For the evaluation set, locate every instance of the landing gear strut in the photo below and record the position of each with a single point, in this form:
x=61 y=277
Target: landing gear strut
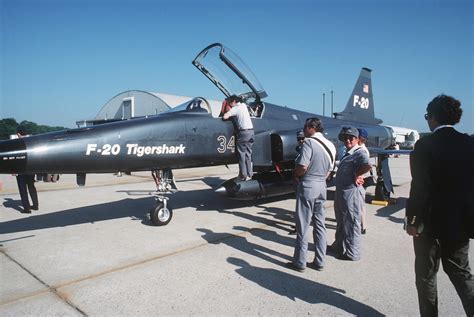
x=384 y=186
x=380 y=192
x=161 y=213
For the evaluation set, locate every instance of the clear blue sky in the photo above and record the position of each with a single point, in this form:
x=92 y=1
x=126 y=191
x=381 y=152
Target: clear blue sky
x=61 y=61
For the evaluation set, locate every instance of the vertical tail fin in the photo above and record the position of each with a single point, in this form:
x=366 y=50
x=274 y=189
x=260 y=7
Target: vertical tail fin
x=360 y=107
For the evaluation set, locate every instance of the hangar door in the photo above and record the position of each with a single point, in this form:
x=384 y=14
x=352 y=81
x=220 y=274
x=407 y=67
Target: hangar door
x=127 y=108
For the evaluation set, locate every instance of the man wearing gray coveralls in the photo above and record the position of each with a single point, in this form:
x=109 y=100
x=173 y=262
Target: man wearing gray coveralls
x=245 y=135
x=349 y=198
x=312 y=166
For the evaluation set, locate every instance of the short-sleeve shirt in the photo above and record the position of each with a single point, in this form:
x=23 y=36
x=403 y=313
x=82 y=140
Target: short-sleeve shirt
x=349 y=164
x=241 y=112
x=317 y=162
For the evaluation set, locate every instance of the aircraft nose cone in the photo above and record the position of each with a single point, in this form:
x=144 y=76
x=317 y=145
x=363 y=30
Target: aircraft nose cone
x=12 y=156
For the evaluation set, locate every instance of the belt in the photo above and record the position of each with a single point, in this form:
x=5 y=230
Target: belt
x=245 y=129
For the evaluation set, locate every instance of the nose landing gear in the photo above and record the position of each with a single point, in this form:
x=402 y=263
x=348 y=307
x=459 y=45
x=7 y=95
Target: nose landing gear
x=161 y=213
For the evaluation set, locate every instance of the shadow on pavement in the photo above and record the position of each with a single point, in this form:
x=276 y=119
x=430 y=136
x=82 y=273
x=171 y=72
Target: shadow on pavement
x=295 y=287
x=213 y=181
x=125 y=208
x=135 y=209
x=138 y=208
x=239 y=242
x=14 y=204
x=279 y=282
x=389 y=210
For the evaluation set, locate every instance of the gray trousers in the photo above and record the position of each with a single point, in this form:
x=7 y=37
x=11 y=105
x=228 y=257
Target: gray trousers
x=348 y=204
x=363 y=214
x=245 y=141
x=310 y=209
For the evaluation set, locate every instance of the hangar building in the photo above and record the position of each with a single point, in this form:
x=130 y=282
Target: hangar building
x=132 y=104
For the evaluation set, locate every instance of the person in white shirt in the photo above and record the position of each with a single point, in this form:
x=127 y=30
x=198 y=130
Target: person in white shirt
x=245 y=135
x=312 y=166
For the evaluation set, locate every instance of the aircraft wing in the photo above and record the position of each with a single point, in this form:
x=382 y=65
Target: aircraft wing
x=379 y=151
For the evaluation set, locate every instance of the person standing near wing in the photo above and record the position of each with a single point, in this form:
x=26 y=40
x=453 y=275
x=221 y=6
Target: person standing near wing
x=245 y=135
x=349 y=198
x=312 y=166
x=300 y=139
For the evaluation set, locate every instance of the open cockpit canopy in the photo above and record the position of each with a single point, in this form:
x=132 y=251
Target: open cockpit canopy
x=228 y=72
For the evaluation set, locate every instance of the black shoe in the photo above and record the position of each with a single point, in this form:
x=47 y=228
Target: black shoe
x=315 y=267
x=34 y=208
x=332 y=250
x=293 y=267
x=26 y=211
x=363 y=231
x=344 y=257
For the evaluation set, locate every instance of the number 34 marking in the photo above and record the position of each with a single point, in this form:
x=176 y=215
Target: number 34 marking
x=223 y=145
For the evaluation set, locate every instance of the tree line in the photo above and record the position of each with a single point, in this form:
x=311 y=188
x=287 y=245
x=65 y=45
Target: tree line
x=8 y=127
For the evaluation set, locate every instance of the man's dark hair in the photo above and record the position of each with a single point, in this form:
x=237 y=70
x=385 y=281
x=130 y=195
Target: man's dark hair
x=233 y=98
x=314 y=123
x=445 y=109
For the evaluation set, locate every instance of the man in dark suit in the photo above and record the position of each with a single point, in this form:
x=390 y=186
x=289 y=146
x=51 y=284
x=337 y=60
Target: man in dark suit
x=440 y=210
x=26 y=183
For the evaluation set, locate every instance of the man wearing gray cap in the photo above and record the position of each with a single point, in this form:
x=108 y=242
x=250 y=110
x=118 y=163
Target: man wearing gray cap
x=349 y=197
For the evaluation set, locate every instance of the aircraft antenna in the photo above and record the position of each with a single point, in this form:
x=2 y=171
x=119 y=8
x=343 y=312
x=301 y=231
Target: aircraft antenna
x=332 y=103
x=324 y=103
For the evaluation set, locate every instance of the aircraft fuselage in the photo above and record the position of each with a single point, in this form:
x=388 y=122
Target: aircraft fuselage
x=172 y=140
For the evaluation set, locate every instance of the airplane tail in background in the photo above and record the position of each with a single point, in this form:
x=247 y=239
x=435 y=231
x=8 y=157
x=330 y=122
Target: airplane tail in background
x=360 y=107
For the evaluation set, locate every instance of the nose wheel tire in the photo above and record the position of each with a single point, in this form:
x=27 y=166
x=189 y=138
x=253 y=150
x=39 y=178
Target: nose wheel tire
x=160 y=215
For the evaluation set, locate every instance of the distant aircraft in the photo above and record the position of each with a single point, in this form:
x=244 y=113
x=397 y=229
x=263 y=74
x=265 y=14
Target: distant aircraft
x=405 y=138
x=193 y=135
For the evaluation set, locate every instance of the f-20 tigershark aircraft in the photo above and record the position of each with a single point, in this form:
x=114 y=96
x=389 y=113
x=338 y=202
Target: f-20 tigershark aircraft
x=194 y=135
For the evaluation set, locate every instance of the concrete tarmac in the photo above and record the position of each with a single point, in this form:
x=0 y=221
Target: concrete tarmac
x=93 y=251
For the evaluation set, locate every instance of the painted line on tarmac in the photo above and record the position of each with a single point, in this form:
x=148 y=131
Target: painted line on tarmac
x=55 y=289
x=49 y=288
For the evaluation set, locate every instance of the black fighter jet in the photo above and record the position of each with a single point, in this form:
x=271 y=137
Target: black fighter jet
x=194 y=135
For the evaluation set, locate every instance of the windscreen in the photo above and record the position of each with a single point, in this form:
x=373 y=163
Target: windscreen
x=228 y=72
